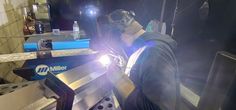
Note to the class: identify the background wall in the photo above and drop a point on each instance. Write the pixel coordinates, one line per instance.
(11, 25)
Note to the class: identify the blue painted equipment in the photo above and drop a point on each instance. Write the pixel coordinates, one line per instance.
(56, 65)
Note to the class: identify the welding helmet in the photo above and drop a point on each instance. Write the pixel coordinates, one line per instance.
(124, 21)
(118, 22)
(120, 19)
(111, 26)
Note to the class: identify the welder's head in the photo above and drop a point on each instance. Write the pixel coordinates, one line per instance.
(118, 26)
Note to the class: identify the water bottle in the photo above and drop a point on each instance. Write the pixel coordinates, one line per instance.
(76, 34)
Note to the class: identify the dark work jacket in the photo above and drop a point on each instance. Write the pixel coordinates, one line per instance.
(154, 74)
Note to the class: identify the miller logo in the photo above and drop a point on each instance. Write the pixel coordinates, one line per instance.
(44, 69)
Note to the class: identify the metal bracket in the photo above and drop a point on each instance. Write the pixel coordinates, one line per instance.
(65, 93)
(44, 47)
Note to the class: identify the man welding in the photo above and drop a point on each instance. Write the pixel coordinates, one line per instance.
(149, 80)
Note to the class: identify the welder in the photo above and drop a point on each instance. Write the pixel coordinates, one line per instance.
(149, 79)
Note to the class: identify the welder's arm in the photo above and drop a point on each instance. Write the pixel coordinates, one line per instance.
(121, 82)
(155, 79)
(156, 76)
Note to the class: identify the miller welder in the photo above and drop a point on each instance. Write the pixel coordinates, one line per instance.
(41, 43)
(63, 74)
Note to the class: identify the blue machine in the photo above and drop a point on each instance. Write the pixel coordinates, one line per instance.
(59, 42)
(40, 67)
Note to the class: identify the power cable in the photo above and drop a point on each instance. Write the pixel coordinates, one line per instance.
(174, 17)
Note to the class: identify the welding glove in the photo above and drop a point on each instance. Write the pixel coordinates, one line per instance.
(116, 70)
(114, 73)
(120, 80)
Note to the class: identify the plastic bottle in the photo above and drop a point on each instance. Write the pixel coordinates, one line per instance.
(76, 34)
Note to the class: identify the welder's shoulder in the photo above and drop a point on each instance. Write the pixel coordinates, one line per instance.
(155, 55)
(160, 40)
(158, 76)
(160, 49)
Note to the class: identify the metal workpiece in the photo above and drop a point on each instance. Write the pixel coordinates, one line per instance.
(33, 55)
(66, 95)
(80, 88)
(91, 87)
(71, 76)
(91, 93)
(27, 98)
(8, 88)
(108, 103)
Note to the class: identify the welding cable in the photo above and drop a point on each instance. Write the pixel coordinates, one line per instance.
(174, 18)
(183, 10)
(177, 13)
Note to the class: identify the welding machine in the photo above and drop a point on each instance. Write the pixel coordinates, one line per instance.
(38, 68)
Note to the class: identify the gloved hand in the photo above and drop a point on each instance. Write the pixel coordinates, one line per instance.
(119, 79)
(116, 69)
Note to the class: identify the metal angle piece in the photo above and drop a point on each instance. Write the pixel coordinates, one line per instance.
(80, 88)
(33, 55)
(66, 94)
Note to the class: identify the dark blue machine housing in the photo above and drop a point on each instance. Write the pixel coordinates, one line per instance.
(40, 67)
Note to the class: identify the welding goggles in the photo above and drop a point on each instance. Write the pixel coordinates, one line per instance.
(117, 20)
